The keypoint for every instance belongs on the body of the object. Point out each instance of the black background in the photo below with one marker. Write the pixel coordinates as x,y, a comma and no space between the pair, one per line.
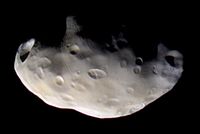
174,25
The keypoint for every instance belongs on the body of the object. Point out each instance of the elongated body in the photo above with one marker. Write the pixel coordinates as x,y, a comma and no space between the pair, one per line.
82,76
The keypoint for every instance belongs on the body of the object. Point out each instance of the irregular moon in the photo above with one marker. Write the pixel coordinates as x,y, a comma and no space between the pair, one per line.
81,76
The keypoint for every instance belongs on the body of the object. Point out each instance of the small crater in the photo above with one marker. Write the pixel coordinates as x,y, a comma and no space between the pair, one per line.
73,85
59,80
40,73
137,69
102,99
123,63
130,91
74,49
112,102
80,87
139,61
68,97
97,73
170,60
137,107
154,70
44,62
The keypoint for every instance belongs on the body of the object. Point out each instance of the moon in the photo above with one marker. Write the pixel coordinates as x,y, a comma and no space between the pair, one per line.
82,76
